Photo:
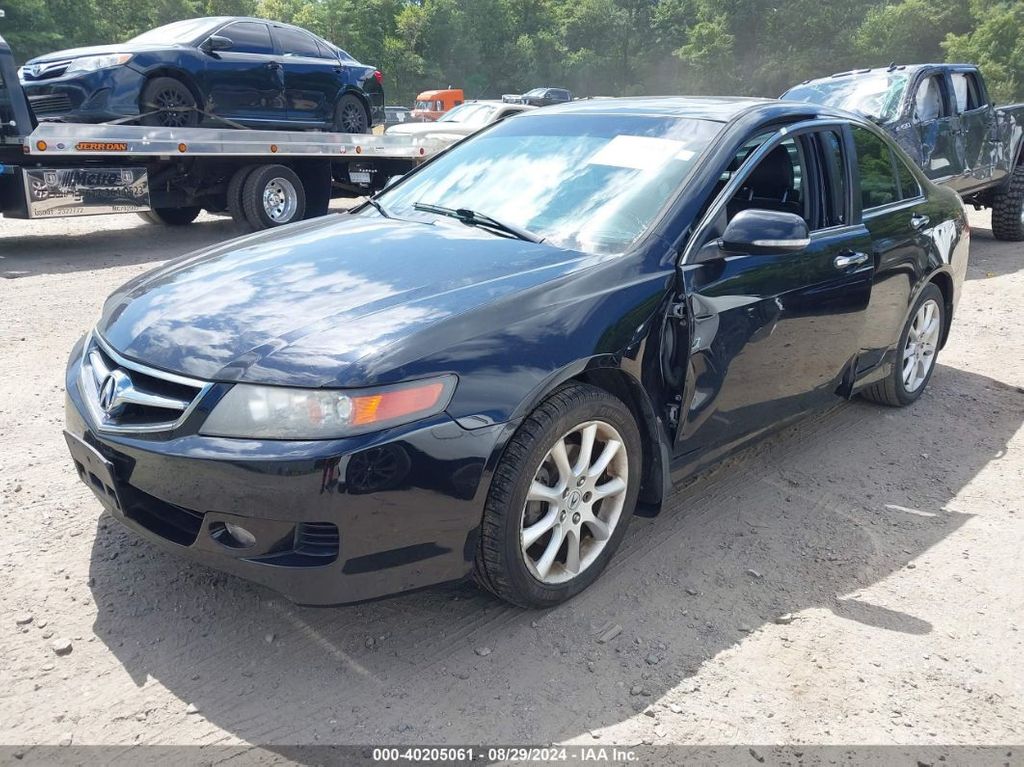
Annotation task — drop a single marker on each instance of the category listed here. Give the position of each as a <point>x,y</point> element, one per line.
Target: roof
<point>907,68</point>
<point>426,95</point>
<point>718,109</point>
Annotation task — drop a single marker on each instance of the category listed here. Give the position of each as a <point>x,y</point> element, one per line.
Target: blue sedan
<point>211,71</point>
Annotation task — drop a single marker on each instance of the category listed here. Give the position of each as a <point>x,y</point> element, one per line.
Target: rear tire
<point>171,100</point>
<point>350,116</point>
<point>916,353</point>
<point>538,514</point>
<point>170,216</point>
<point>1008,209</point>
<point>236,205</point>
<point>273,195</point>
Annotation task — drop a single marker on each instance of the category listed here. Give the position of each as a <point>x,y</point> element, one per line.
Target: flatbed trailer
<point>169,175</point>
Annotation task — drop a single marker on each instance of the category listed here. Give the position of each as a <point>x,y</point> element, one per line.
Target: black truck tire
<point>273,195</point>
<point>1008,209</point>
<point>171,216</point>
<point>236,206</point>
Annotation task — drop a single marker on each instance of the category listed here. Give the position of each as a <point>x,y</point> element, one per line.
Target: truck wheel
<point>561,498</point>
<point>171,100</point>
<point>1008,209</point>
<point>350,116</point>
<point>273,196</point>
<point>236,205</point>
<point>170,216</point>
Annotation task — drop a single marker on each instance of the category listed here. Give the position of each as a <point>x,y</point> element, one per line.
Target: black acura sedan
<point>211,71</point>
<point>485,368</point>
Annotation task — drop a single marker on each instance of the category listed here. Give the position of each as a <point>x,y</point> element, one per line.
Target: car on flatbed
<point>943,117</point>
<point>216,71</point>
<point>560,317</point>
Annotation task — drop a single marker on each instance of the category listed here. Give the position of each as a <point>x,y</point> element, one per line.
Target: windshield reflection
<point>592,183</point>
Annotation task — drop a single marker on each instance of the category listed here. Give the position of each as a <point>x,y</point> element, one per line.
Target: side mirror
<point>217,43</point>
<point>765,233</point>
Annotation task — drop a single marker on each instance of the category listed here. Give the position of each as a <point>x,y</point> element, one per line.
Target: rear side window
<point>248,37</point>
<point>296,43</point>
<point>967,91</point>
<point>878,183</point>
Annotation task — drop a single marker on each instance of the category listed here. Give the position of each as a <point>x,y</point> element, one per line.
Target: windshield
<point>179,32</point>
<point>592,183</point>
<point>468,114</point>
<point>876,94</point>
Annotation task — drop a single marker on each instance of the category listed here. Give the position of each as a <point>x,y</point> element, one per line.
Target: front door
<point>245,82</point>
<point>775,336</point>
<point>312,76</point>
<point>930,135</point>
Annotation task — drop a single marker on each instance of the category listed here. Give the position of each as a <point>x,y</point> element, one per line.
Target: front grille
<point>126,396</point>
<point>55,104</point>
<point>317,539</point>
<point>47,71</point>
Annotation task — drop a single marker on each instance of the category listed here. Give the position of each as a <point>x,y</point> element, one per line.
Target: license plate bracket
<point>95,471</point>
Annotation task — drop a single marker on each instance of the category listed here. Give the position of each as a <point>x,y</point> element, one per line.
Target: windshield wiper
<point>472,218</point>
<point>378,206</point>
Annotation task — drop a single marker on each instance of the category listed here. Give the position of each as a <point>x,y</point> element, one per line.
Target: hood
<point>96,50</point>
<point>305,304</point>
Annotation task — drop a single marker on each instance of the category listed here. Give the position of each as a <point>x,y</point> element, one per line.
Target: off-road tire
<point>891,390</point>
<point>499,565</point>
<point>171,216</point>
<point>1008,209</point>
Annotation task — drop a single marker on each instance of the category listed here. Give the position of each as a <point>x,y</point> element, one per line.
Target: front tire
<point>916,353</point>
<point>171,216</point>
<point>561,498</point>
<point>168,103</point>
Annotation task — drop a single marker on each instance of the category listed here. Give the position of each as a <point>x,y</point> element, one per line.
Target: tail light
<point>378,76</point>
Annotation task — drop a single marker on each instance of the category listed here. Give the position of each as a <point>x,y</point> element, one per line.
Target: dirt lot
<point>855,580</point>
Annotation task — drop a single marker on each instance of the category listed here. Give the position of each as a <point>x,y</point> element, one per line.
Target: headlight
<point>92,63</point>
<point>274,412</point>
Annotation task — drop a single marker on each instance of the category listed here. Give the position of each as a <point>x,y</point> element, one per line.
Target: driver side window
<point>928,102</point>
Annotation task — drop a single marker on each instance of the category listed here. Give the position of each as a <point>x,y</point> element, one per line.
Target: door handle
<point>846,260</point>
<point>273,65</point>
<point>919,221</point>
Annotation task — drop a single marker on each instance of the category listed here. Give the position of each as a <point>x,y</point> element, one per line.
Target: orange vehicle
<point>432,104</point>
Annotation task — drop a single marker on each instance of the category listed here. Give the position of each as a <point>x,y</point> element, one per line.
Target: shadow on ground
<point>805,520</point>
<point>996,259</point>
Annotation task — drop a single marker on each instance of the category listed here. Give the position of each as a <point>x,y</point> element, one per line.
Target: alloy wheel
<point>574,502</point>
<point>173,108</point>
<point>922,343</point>
<point>352,118</point>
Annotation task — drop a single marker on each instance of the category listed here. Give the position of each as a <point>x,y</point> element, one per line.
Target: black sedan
<point>212,71</point>
<point>485,368</point>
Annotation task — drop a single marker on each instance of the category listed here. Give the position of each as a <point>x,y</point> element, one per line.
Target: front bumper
<point>106,94</point>
<point>334,522</point>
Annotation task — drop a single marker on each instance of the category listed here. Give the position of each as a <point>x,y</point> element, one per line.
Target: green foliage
<point>594,47</point>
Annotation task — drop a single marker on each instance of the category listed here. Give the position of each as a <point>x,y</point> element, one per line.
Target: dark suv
<point>210,71</point>
<point>540,97</point>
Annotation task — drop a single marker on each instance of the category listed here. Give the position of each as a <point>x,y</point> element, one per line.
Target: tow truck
<point>168,176</point>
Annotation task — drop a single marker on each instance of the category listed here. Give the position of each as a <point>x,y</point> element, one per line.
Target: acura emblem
<point>112,392</point>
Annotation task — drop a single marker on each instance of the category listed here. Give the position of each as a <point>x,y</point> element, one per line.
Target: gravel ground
<point>856,579</point>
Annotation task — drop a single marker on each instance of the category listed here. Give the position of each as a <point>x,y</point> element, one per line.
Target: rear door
<point>245,82</point>
<point>898,216</point>
<point>976,124</point>
<point>312,76</point>
<point>775,336</point>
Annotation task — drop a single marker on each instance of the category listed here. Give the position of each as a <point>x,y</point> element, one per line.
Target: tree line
<point>592,47</point>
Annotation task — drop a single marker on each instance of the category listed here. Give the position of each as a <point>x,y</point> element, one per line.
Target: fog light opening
<point>232,536</point>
